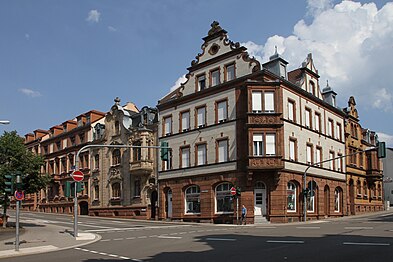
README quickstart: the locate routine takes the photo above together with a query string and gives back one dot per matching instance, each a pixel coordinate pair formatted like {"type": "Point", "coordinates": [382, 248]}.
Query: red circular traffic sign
{"type": "Point", "coordinates": [19, 195]}
{"type": "Point", "coordinates": [77, 175]}
{"type": "Point", "coordinates": [233, 191]}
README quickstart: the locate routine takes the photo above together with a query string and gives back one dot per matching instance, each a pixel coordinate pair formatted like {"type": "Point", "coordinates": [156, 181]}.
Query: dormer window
{"type": "Point", "coordinates": [201, 82]}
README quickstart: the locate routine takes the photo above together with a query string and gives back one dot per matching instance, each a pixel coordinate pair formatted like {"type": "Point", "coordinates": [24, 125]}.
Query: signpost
{"type": "Point", "coordinates": [234, 194]}
{"type": "Point", "coordinates": [19, 195]}
{"type": "Point", "coordinates": [233, 191]}
{"type": "Point", "coordinates": [77, 176]}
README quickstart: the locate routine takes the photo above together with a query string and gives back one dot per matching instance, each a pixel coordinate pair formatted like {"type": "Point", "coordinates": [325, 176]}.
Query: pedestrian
{"type": "Point", "coordinates": [244, 215]}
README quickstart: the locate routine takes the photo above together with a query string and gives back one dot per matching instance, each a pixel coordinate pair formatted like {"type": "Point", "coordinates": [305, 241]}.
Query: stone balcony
{"type": "Point", "coordinates": [141, 167]}
{"type": "Point", "coordinates": [268, 162]}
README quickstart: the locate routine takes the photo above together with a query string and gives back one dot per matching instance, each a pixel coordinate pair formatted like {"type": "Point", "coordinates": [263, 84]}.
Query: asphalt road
{"type": "Point", "coordinates": [348, 239]}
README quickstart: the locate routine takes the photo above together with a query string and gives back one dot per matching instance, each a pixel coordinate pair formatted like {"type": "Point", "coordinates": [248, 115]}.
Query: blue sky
{"type": "Point", "coordinates": [59, 59]}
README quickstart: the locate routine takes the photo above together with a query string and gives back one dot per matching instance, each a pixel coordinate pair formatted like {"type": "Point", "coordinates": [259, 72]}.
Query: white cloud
{"type": "Point", "coordinates": [178, 82]}
{"type": "Point", "coordinates": [112, 29]}
{"type": "Point", "coordinates": [352, 48]}
{"type": "Point", "coordinates": [93, 16]}
{"type": "Point", "coordinates": [29, 92]}
{"type": "Point", "coordinates": [385, 138]}
{"type": "Point", "coordinates": [315, 7]}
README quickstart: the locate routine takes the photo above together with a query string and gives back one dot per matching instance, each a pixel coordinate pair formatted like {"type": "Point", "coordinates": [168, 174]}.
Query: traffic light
{"type": "Point", "coordinates": [9, 184]}
{"type": "Point", "coordinates": [306, 191]}
{"type": "Point", "coordinates": [238, 191]}
{"type": "Point", "coordinates": [164, 151]}
{"type": "Point", "coordinates": [69, 189]}
{"type": "Point", "coordinates": [80, 186]}
{"type": "Point", "coordinates": [381, 153]}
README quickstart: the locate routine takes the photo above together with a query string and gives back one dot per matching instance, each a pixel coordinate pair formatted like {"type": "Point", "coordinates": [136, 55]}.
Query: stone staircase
{"type": "Point", "coordinates": [260, 220]}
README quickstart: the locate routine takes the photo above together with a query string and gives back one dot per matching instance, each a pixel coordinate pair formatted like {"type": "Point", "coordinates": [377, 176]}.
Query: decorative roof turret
{"type": "Point", "coordinates": [329, 95]}
{"type": "Point", "coordinates": [277, 65]}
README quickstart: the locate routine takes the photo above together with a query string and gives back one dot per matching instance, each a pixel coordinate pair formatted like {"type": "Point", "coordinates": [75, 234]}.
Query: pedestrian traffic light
{"type": "Point", "coordinates": [9, 184]}
{"type": "Point", "coordinates": [306, 191]}
{"type": "Point", "coordinates": [164, 151]}
{"type": "Point", "coordinates": [238, 191]}
{"type": "Point", "coordinates": [381, 152]}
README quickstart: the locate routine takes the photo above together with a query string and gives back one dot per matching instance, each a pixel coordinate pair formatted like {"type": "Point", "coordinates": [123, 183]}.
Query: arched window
{"type": "Point", "coordinates": [116, 157]}
{"type": "Point", "coordinates": [116, 192]}
{"type": "Point", "coordinates": [192, 200]}
{"type": "Point", "coordinates": [97, 161]}
{"type": "Point", "coordinates": [291, 197]}
{"type": "Point", "coordinates": [312, 187]}
{"type": "Point", "coordinates": [337, 199]}
{"type": "Point", "coordinates": [379, 191]}
{"type": "Point", "coordinates": [224, 200]}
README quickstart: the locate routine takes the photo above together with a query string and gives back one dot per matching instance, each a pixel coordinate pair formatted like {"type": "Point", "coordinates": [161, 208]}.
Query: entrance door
{"type": "Point", "coordinates": [169, 201]}
{"type": "Point", "coordinates": [327, 201]}
{"type": "Point", "coordinates": [260, 199]}
{"type": "Point", "coordinates": [351, 197]}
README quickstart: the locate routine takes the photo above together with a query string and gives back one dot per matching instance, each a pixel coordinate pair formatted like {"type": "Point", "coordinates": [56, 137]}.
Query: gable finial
{"type": "Point", "coordinates": [215, 28]}
{"type": "Point", "coordinates": [117, 100]}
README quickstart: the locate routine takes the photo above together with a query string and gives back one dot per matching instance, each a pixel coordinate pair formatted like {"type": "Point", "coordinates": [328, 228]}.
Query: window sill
{"type": "Point", "coordinates": [224, 213]}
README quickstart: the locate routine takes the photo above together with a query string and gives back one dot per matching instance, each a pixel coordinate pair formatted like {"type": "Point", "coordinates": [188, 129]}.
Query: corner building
{"type": "Point", "coordinates": [235, 122]}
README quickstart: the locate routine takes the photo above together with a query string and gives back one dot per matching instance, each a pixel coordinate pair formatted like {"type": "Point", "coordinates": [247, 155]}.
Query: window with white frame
{"type": "Point", "coordinates": [318, 122]}
{"type": "Point", "coordinates": [309, 154]}
{"type": "Point", "coordinates": [201, 154]}
{"type": "Point", "coordinates": [185, 121]}
{"type": "Point", "coordinates": [318, 155]}
{"type": "Point", "coordinates": [201, 82]}
{"type": "Point", "coordinates": [201, 116]}
{"type": "Point", "coordinates": [215, 77]}
{"type": "Point", "coordinates": [230, 72]}
{"type": "Point", "coordinates": [307, 118]}
{"type": "Point", "coordinates": [339, 163]}
{"type": "Point", "coordinates": [312, 187]}
{"type": "Point", "coordinates": [96, 192]}
{"type": "Point", "coordinates": [185, 157]}
{"type": "Point", "coordinates": [270, 144]}
{"type": "Point", "coordinates": [224, 199]}
{"type": "Point", "coordinates": [338, 131]}
{"type": "Point", "coordinates": [330, 128]}
{"type": "Point", "coordinates": [167, 125]}
{"type": "Point", "coordinates": [337, 199]}
{"type": "Point", "coordinates": [292, 149]}
{"type": "Point", "coordinates": [192, 200]}
{"type": "Point", "coordinates": [167, 165]}
{"type": "Point", "coordinates": [222, 151]}
{"type": "Point", "coordinates": [291, 110]}
{"type": "Point", "coordinates": [291, 197]}
{"type": "Point", "coordinates": [257, 144]}
{"type": "Point", "coordinates": [222, 111]}
{"type": "Point", "coordinates": [256, 101]}
{"type": "Point", "coordinates": [331, 163]}
{"type": "Point", "coordinates": [269, 101]}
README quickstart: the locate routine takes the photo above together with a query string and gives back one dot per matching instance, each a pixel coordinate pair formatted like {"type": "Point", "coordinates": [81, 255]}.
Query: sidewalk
{"type": "Point", "coordinates": [40, 238]}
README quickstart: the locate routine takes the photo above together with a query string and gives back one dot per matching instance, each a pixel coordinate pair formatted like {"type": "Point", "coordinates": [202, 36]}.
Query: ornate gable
{"type": "Point", "coordinates": [217, 53]}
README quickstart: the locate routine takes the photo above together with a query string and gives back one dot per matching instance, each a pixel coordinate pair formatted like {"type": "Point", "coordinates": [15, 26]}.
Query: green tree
{"type": "Point", "coordinates": [14, 157]}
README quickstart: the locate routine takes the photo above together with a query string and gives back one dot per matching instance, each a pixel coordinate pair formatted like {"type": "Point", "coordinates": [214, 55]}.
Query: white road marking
{"type": "Point", "coordinates": [286, 241]}
{"type": "Point", "coordinates": [220, 239]}
{"type": "Point", "coordinates": [118, 239]}
{"type": "Point", "coordinates": [134, 228]}
{"type": "Point", "coordinates": [106, 254]}
{"type": "Point", "coordinates": [169, 237]}
{"type": "Point", "coordinates": [368, 228]}
{"type": "Point", "coordinates": [365, 244]}
{"type": "Point", "coordinates": [308, 227]}
{"type": "Point", "coordinates": [266, 227]}
{"type": "Point", "coordinates": [130, 238]}
{"type": "Point", "coordinates": [105, 240]}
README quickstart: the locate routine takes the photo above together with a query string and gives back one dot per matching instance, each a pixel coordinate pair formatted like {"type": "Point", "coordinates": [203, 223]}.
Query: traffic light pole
{"type": "Point", "coordinates": [316, 164]}
{"type": "Point", "coordinates": [76, 168]}
{"type": "Point", "coordinates": [75, 212]}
